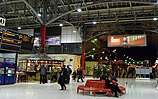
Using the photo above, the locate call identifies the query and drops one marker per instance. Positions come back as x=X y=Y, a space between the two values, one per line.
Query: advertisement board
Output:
x=126 y=40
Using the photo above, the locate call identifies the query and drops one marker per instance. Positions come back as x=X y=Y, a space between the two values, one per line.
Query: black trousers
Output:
x=115 y=89
x=80 y=77
x=43 y=79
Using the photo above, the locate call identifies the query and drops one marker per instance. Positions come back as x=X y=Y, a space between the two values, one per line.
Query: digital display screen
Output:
x=126 y=40
x=12 y=35
x=55 y=40
x=13 y=41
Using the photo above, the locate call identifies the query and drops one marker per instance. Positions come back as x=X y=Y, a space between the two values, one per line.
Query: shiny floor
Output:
x=136 y=89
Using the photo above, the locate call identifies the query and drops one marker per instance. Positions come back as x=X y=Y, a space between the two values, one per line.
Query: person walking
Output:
x=69 y=71
x=80 y=74
x=43 y=74
x=63 y=75
x=74 y=75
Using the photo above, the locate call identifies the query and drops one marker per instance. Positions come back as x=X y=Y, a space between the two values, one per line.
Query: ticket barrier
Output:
x=2 y=73
x=10 y=73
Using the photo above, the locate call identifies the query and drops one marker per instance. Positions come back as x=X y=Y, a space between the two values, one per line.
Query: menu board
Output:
x=13 y=41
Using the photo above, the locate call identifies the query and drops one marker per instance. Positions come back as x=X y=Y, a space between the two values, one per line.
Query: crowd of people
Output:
x=62 y=75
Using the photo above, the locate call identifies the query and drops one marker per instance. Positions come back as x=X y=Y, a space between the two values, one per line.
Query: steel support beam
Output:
x=34 y=12
x=91 y=5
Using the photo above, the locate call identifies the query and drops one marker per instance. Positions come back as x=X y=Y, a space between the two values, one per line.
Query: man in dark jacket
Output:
x=63 y=76
x=80 y=74
x=69 y=71
x=43 y=74
x=113 y=85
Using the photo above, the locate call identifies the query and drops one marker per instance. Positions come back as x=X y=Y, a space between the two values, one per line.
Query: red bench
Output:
x=96 y=86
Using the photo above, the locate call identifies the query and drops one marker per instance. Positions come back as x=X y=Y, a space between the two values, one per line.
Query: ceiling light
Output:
x=103 y=52
x=114 y=50
x=106 y=57
x=79 y=10
x=74 y=31
x=94 y=22
x=155 y=19
x=60 y=24
x=93 y=49
x=19 y=28
x=39 y=14
x=95 y=39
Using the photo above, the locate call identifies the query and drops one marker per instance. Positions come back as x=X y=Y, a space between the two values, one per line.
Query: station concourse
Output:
x=115 y=38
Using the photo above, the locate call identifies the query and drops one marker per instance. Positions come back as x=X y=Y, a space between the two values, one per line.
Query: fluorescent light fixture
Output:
x=155 y=19
x=94 y=22
x=39 y=14
x=60 y=24
x=19 y=28
x=79 y=10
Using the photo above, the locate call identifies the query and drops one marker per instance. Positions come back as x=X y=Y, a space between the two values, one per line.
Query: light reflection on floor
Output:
x=136 y=89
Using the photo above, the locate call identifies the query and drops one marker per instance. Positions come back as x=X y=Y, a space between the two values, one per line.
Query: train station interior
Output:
x=96 y=39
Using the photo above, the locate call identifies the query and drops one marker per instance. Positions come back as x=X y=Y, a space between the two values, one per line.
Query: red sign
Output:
x=10 y=64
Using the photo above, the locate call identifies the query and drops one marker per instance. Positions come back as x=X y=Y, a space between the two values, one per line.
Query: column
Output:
x=83 y=54
x=43 y=39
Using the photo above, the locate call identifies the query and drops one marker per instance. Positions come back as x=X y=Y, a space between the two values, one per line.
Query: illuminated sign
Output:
x=13 y=41
x=126 y=40
x=2 y=21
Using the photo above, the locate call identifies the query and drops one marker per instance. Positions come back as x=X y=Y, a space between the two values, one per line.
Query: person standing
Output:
x=43 y=74
x=63 y=75
x=80 y=74
x=69 y=71
x=74 y=75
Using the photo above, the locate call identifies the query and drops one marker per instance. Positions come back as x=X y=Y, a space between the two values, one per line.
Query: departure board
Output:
x=14 y=41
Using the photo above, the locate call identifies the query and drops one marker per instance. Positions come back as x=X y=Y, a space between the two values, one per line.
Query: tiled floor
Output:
x=136 y=89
